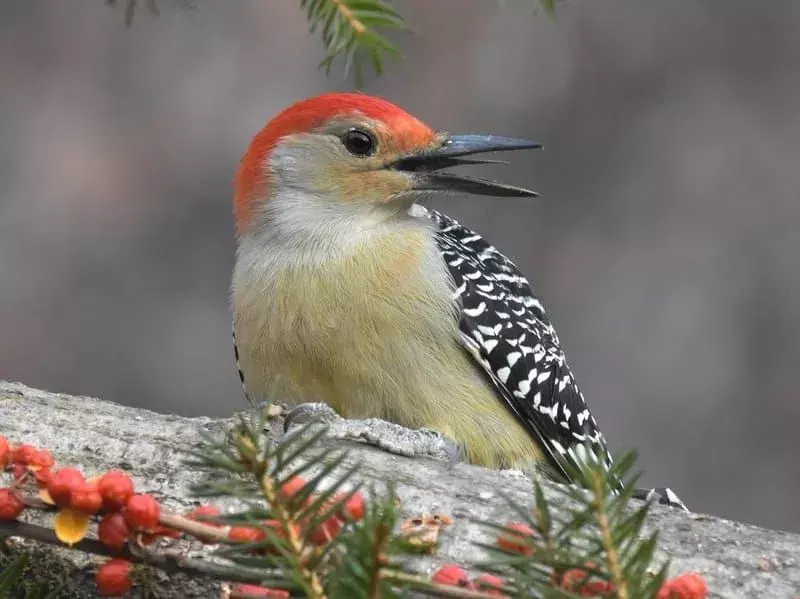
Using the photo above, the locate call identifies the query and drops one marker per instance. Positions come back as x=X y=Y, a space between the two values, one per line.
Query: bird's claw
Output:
x=661 y=496
x=306 y=413
x=398 y=440
x=384 y=435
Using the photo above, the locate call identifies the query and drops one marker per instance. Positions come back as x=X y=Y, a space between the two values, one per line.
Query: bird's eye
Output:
x=359 y=143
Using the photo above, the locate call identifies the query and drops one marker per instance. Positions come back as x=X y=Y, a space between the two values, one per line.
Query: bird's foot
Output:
x=384 y=435
x=307 y=413
x=661 y=496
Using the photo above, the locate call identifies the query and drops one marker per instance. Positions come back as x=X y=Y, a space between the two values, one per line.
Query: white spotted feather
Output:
x=506 y=330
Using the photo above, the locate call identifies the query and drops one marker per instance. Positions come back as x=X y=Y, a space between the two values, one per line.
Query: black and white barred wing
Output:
x=505 y=328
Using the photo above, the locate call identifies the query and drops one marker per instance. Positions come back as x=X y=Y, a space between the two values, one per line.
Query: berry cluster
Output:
x=27 y=464
x=685 y=586
x=111 y=498
x=124 y=516
x=573 y=580
x=517 y=537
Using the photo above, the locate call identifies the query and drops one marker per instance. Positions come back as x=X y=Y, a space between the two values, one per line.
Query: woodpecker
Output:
x=346 y=290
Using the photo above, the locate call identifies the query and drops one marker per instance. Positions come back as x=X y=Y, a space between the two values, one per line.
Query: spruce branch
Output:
x=350 y=30
x=353 y=30
x=593 y=543
x=308 y=577
x=610 y=547
x=361 y=560
x=311 y=537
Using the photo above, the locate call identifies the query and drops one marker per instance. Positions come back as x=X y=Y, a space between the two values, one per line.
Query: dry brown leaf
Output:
x=423 y=530
x=71 y=526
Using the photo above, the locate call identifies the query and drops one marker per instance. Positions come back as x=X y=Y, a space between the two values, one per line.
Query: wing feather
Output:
x=506 y=330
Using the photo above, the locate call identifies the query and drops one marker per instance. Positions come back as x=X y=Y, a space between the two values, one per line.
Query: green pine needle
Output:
x=595 y=530
x=351 y=30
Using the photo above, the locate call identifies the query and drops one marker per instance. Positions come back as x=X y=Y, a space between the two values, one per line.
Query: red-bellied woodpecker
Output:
x=347 y=291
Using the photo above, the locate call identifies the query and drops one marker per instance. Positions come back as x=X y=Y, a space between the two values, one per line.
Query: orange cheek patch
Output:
x=372 y=186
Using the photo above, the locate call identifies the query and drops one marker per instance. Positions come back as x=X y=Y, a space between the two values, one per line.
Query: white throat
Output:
x=296 y=229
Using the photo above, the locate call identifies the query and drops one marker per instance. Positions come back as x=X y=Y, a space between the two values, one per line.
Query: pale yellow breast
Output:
x=374 y=333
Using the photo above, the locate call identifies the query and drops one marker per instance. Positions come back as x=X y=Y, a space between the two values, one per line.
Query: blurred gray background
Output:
x=665 y=243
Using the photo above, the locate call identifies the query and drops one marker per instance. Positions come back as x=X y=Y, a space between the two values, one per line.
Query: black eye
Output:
x=359 y=143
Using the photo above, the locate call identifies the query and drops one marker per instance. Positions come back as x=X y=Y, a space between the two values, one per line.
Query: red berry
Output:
x=246 y=534
x=41 y=459
x=116 y=488
x=11 y=505
x=113 y=531
x=572 y=579
x=597 y=588
x=515 y=538
x=489 y=584
x=23 y=454
x=61 y=484
x=575 y=580
x=685 y=586
x=451 y=575
x=113 y=578
x=326 y=531
x=5 y=453
x=292 y=486
x=19 y=472
x=43 y=477
x=354 y=508
x=253 y=534
x=253 y=590
x=86 y=499
x=142 y=512
x=203 y=512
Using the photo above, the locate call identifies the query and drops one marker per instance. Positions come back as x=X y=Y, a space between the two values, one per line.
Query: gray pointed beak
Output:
x=451 y=153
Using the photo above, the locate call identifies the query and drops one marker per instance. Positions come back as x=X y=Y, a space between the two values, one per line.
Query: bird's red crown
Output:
x=398 y=130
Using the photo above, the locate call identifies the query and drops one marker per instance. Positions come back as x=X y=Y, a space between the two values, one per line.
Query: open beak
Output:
x=451 y=153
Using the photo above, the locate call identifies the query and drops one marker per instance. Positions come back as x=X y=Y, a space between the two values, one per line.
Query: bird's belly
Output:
x=374 y=347
x=360 y=352
x=394 y=377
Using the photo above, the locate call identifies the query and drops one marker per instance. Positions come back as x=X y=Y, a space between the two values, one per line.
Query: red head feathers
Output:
x=401 y=132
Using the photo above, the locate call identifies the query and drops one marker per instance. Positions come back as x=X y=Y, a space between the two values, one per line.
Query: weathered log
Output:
x=738 y=560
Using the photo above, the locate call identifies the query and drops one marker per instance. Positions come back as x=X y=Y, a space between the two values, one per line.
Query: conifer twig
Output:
x=599 y=503
x=310 y=577
x=374 y=582
x=356 y=25
x=350 y=28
